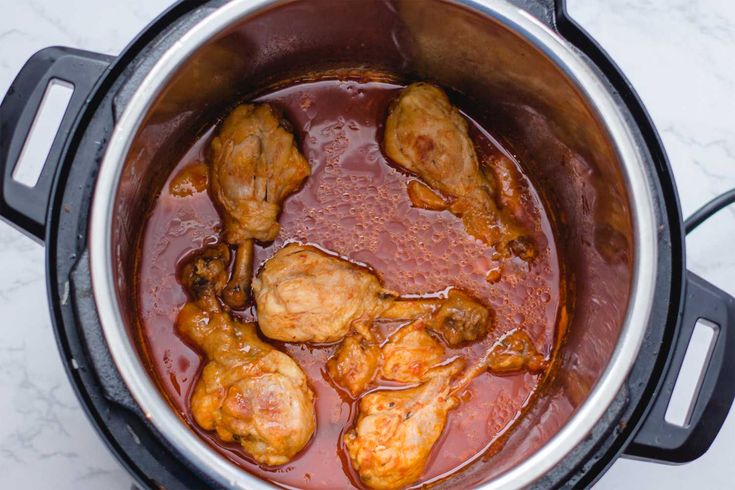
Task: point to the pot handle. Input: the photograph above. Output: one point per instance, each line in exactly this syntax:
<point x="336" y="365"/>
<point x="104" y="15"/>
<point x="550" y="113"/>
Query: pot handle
<point x="661" y="441"/>
<point x="21" y="205"/>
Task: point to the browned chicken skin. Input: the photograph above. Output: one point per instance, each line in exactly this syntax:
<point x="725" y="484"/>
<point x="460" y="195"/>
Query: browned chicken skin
<point x="407" y="357"/>
<point x="515" y="353"/>
<point x="355" y="363"/>
<point x="410" y="354"/>
<point x="204" y="276"/>
<point x="248" y="392"/>
<point x="460" y="319"/>
<point x="258" y="396"/>
<point x="304" y="294"/>
<point x="255" y="165"/>
<point x="253" y="394"/>
<point x="512" y="354"/>
<point x="427" y="135"/>
<point x="396" y="430"/>
<point x="423" y="197"/>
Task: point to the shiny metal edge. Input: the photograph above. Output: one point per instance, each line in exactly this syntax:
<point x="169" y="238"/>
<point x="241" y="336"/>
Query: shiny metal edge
<point x="645" y="262"/>
<point x="145" y="391"/>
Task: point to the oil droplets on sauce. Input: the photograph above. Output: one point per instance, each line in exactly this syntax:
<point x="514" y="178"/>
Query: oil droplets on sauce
<point x="355" y="203"/>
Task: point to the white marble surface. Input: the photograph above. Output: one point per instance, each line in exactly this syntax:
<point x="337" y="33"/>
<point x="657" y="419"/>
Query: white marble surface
<point x="677" y="53"/>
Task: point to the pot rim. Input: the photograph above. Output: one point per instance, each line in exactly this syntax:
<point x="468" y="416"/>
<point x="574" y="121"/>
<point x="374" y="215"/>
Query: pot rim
<point x="144" y="390"/>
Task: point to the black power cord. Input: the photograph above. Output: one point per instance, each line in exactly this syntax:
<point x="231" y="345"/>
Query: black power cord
<point x="705" y="212"/>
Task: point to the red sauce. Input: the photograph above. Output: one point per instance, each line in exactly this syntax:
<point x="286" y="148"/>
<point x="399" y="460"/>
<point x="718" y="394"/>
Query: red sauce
<point x="355" y="203"/>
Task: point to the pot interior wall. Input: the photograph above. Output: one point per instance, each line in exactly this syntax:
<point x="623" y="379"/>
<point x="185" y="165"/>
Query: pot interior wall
<point x="526" y="100"/>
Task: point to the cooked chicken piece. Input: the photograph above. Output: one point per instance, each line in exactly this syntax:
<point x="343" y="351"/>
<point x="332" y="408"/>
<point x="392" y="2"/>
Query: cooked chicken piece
<point x="427" y="135"/>
<point x="396" y="430"/>
<point x="501" y="170"/>
<point x="204" y="275"/>
<point x="248" y="392"/>
<point x="399" y="308"/>
<point x="460" y="319"/>
<point x="354" y="364"/>
<point x="515" y="353"/>
<point x="410" y="354"/>
<point x="304" y="294"/>
<point x="255" y="165"/>
<point x="511" y="194"/>
<point x="423" y="197"/>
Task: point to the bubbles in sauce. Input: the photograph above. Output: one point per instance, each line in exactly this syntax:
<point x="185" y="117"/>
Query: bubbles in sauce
<point x="356" y="204"/>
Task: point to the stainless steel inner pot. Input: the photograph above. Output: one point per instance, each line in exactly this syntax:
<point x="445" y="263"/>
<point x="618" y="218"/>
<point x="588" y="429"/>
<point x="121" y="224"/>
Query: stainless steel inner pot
<point x="546" y="103"/>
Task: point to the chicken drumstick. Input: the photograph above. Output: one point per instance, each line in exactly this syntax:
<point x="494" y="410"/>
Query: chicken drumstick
<point x="248" y="392"/>
<point x="427" y="135"/>
<point x="304" y="294"/>
<point x="255" y="165"/>
<point x="397" y="429"/>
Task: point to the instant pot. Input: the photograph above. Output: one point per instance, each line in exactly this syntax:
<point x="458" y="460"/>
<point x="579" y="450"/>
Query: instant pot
<point x="549" y="90"/>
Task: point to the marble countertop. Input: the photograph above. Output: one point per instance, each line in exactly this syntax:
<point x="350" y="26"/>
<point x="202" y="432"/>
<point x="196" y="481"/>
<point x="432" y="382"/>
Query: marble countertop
<point x="677" y="53"/>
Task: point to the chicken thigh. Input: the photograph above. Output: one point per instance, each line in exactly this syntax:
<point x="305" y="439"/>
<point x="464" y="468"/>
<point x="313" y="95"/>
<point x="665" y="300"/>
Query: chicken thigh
<point x="304" y="294"/>
<point x="255" y="165"/>
<point x="427" y="135"/>
<point x="248" y="392"/>
<point x="397" y="429"/>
